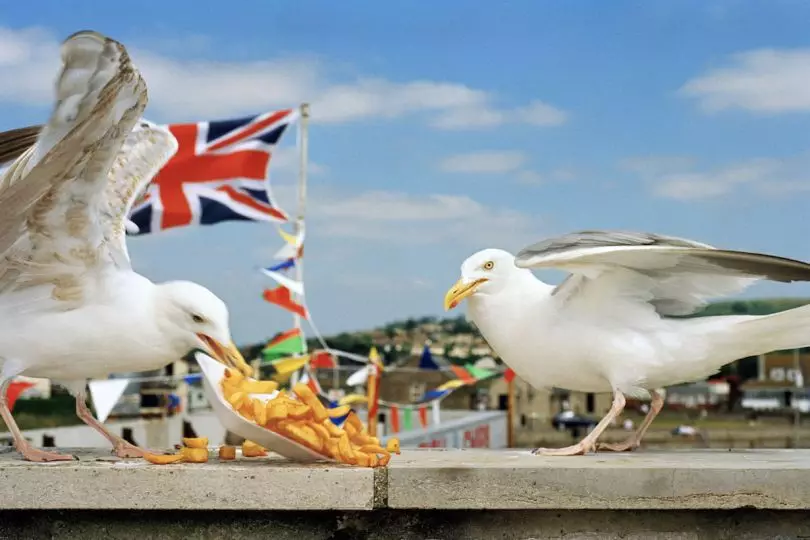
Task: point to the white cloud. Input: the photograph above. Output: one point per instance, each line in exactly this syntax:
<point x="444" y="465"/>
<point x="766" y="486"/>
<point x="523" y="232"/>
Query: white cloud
<point x="484" y="162"/>
<point x="768" y="81"/>
<point x="188" y="89"/>
<point x="677" y="178"/>
<point x="399" y="218"/>
<point x="534" y="178"/>
<point x="483" y="115"/>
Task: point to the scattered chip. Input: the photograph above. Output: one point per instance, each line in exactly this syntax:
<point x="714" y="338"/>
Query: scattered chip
<point x="227" y="452"/>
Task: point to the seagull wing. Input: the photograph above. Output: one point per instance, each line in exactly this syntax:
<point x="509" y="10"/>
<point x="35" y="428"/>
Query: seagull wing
<point x="57" y="212"/>
<point x="675" y="276"/>
<point x="145" y="151"/>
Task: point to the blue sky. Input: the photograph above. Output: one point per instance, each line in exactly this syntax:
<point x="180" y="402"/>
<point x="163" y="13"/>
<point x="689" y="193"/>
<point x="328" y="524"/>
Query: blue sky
<point x="446" y="127"/>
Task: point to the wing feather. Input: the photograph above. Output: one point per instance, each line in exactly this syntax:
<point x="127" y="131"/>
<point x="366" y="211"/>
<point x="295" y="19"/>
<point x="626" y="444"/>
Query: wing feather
<point x="54" y="196"/>
<point x="675" y="275"/>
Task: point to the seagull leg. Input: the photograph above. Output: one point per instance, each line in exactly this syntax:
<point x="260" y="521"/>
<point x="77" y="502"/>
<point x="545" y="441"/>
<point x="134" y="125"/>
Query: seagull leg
<point x="28" y="451"/>
<point x="634" y="441"/>
<point x="588" y="444"/>
<point x="121" y="448"/>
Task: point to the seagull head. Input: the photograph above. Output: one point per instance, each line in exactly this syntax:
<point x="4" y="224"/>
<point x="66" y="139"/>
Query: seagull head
<point x="485" y="272"/>
<point x="198" y="319"/>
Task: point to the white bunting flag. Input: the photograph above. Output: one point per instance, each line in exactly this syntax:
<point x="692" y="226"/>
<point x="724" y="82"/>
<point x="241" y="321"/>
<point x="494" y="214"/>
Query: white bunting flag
<point x="437" y="417"/>
<point x="359" y="377"/>
<point x="293" y="285"/>
<point x="105" y="393"/>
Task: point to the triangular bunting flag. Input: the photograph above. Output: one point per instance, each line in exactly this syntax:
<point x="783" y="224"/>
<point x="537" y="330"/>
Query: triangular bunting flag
<point x="15" y="390"/>
<point x="192" y="377"/>
<point x="295" y="286"/>
<point x="426" y="361"/>
<point x="451" y="385"/>
<point x="509" y="375"/>
<point x="286" y="265"/>
<point x="394" y="411"/>
<point x="423" y="416"/>
<point x="322" y="360"/>
<point x="479" y="373"/>
<point x="105" y="393"/>
<point x="462" y="374"/>
<point x="312" y="383"/>
<point x="284" y="344"/>
<point x="374" y="356"/>
<point x="280" y="296"/>
<point x="407" y="419"/>
<point x="437" y="415"/>
<point x="432" y="395"/>
<point x="352" y="399"/>
<point x="284" y="367"/>
<point x="358" y="378"/>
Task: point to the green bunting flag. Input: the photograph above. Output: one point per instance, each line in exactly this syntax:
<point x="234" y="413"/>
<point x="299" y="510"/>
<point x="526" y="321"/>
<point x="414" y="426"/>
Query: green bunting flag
<point x="479" y="373"/>
<point x="407" y="418"/>
<point x="285" y="344"/>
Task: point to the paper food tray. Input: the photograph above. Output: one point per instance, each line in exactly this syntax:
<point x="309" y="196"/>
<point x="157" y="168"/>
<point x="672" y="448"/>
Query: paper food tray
<point x="213" y="373"/>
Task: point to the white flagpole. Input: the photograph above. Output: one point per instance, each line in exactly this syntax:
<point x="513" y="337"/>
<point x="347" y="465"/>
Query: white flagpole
<point x="303" y="147"/>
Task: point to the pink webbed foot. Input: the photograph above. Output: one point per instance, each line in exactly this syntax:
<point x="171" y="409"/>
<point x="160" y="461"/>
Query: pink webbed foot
<point x="123" y="449"/>
<point x="579" y="449"/>
<point x="38" y="455"/>
<point x="626" y="446"/>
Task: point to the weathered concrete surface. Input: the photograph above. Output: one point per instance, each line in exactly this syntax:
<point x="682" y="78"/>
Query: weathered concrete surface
<point x="423" y="494"/>
<point x="706" y="479"/>
<point x="100" y="481"/>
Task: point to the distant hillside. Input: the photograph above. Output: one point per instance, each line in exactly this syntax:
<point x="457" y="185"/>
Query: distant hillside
<point x="457" y="338"/>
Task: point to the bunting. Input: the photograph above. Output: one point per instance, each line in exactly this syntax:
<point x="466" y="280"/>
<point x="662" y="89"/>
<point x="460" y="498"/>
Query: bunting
<point x="509" y="375"/>
<point x="105" y="393"/>
<point x="437" y="414"/>
<point x="423" y="416"/>
<point x="394" y="412"/>
<point x="280" y="369"/>
<point x="353" y="399"/>
<point x="479" y="374"/>
<point x="280" y="296"/>
<point x="426" y="361"/>
<point x="15" y="390"/>
<point x="284" y="344"/>
<point x="293" y="285"/>
<point x="312" y="383"/>
<point x="293" y="247"/>
<point x="359" y="377"/>
<point x="407" y="418"/>
<point x="322" y="360"/>
<point x="462" y="374"/>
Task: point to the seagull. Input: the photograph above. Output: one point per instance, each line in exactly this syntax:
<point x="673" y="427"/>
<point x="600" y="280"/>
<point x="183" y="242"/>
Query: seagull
<point x="617" y="322"/>
<point x="71" y="304"/>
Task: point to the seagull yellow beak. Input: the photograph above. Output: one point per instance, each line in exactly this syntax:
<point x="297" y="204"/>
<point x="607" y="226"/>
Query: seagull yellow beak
<point x="226" y="354"/>
<point x="460" y="291"/>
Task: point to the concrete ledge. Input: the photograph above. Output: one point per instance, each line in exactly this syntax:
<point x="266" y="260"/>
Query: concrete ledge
<point x="420" y="480"/>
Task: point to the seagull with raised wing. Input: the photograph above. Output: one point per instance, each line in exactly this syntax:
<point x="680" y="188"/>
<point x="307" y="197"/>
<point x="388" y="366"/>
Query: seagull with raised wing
<point x="71" y="305"/>
<point x="616" y="323"/>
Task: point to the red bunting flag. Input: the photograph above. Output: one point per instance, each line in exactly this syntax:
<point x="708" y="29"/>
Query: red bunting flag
<point x="509" y="375"/>
<point x="423" y="416"/>
<point x="462" y="374"/>
<point x="322" y="360"/>
<point x="280" y="296"/>
<point x="15" y="389"/>
<point x="394" y="418"/>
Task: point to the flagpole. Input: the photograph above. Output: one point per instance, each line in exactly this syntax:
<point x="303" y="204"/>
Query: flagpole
<point x="303" y="148"/>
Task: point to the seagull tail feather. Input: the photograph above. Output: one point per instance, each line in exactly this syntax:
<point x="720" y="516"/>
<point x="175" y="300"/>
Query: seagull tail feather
<point x="785" y="330"/>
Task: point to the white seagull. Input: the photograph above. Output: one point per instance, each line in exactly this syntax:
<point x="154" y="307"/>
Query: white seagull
<point x="614" y="324"/>
<point x="71" y="305"/>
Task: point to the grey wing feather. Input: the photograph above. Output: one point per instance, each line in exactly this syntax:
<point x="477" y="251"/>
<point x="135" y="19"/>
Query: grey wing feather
<point x="675" y="275"/>
<point x="14" y="142"/>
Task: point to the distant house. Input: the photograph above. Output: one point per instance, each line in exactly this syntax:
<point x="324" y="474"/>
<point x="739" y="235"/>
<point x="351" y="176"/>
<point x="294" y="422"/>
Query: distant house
<point x="780" y="383"/>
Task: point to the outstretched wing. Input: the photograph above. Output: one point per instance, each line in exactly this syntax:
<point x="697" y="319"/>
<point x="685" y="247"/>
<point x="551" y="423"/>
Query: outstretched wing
<point x="55" y="205"/>
<point x="676" y="276"/>
<point x="146" y="150"/>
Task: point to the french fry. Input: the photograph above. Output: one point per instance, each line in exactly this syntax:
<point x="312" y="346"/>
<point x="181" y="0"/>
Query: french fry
<point x="234" y="375"/>
<point x="194" y="455"/>
<point x="236" y="399"/>
<point x="197" y="442"/>
<point x="308" y="396"/>
<point x="373" y="449"/>
<point x="252" y="386"/>
<point x="322" y="432"/>
<point x="276" y="411"/>
<point x="251" y="449"/>
<point x="163" y="459"/>
<point x="227" y="452"/>
<point x="337" y="412"/>
<point x="333" y="430"/>
<point x="259" y="412"/>
<point x="392" y="446"/>
<point x="304" y="434"/>
<point x="298" y="411"/>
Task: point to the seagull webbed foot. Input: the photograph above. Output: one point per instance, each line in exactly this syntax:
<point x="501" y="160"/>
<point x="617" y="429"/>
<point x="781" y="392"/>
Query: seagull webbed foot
<point x="579" y="449"/>
<point x="38" y="455"/>
<point x="123" y="449"/>
<point x="627" y="446"/>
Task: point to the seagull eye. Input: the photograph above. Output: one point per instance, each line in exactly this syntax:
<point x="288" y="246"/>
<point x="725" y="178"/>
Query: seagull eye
<point x="197" y="318"/>
<point x="489" y="265"/>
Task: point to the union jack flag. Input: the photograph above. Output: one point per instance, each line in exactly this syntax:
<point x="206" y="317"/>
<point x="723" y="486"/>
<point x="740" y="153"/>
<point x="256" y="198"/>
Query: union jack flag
<point x="219" y="173"/>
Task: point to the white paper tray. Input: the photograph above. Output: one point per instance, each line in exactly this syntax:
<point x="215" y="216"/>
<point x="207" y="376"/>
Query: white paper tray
<point x="213" y="373"/>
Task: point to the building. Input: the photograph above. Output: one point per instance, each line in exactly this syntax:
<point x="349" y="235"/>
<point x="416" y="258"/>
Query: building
<point x="779" y="384"/>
